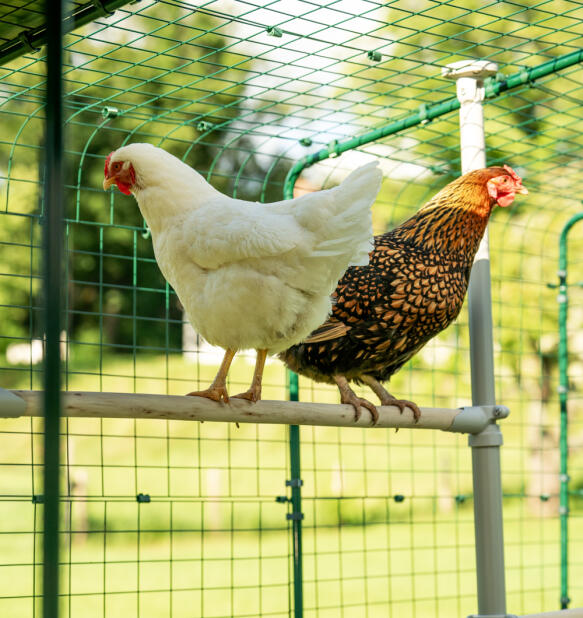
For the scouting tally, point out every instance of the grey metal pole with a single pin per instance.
(485, 445)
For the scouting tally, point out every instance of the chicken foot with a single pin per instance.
(254, 392)
(347, 395)
(218, 389)
(388, 400)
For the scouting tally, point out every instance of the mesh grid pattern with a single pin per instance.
(168, 518)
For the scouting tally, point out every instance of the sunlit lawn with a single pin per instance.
(379, 570)
(214, 542)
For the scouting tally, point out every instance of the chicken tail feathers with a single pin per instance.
(328, 331)
(345, 219)
(340, 223)
(355, 197)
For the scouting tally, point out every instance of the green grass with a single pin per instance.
(214, 542)
(395, 569)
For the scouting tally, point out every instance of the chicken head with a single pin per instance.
(120, 173)
(504, 188)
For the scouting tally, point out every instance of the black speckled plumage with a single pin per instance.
(412, 289)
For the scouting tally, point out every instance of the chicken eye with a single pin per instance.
(116, 166)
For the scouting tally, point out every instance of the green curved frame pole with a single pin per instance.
(562, 300)
(426, 113)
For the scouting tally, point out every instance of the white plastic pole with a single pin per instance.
(469, 78)
(485, 445)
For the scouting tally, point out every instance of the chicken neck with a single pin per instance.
(453, 222)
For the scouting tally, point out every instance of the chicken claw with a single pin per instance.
(218, 389)
(216, 393)
(253, 395)
(387, 399)
(402, 404)
(357, 402)
(347, 395)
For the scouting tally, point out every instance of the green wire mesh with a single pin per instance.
(180, 519)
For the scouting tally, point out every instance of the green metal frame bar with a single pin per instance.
(31, 40)
(296, 516)
(562, 300)
(426, 113)
(53, 254)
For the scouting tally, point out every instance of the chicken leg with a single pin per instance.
(347, 395)
(387, 399)
(218, 389)
(254, 392)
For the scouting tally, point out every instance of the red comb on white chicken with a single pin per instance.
(249, 275)
(120, 173)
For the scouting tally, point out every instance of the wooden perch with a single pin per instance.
(173, 407)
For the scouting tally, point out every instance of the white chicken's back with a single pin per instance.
(252, 275)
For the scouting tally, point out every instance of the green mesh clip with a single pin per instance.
(333, 148)
(109, 112)
(204, 125)
(423, 117)
(274, 31)
(98, 4)
(25, 38)
(375, 56)
(525, 76)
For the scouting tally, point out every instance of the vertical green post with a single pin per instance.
(296, 515)
(53, 287)
(295, 481)
(562, 300)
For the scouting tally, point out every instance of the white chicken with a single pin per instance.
(249, 275)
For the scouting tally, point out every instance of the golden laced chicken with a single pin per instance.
(249, 275)
(412, 288)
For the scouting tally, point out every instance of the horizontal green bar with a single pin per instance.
(426, 114)
(429, 112)
(29, 40)
(494, 88)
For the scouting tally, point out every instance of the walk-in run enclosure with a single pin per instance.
(130, 500)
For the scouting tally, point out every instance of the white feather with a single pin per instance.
(251, 275)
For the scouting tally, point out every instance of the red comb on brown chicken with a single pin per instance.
(413, 287)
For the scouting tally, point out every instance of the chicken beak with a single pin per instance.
(522, 190)
(107, 182)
